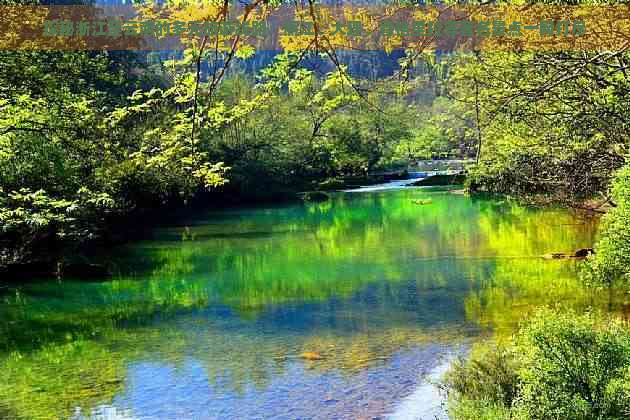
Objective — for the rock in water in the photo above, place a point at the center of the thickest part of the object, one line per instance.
(555, 256)
(311, 355)
(583, 252)
(579, 254)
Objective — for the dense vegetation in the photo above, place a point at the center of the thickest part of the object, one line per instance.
(551, 122)
(561, 366)
(89, 139)
(612, 261)
(552, 125)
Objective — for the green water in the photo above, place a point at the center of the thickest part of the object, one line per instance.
(211, 317)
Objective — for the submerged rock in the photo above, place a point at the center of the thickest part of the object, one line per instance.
(422, 202)
(311, 355)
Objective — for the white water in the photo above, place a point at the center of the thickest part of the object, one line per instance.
(386, 186)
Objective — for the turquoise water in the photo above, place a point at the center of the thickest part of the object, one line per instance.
(339, 309)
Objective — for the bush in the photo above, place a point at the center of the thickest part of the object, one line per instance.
(538, 170)
(469, 409)
(573, 367)
(612, 259)
(489, 375)
(560, 366)
(484, 386)
(30, 219)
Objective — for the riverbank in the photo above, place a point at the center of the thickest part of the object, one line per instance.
(559, 363)
(52, 256)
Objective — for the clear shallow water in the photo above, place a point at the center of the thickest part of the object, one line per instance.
(340, 309)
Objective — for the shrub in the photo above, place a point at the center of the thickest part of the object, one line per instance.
(573, 367)
(560, 366)
(470, 409)
(489, 375)
(612, 259)
(30, 218)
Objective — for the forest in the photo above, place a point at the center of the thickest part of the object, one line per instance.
(107, 136)
(95, 142)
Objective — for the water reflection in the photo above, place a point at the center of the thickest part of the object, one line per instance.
(212, 318)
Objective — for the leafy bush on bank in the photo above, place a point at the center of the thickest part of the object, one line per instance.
(559, 366)
(612, 259)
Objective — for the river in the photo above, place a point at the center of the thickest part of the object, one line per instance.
(350, 308)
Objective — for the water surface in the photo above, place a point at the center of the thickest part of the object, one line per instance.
(339, 309)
